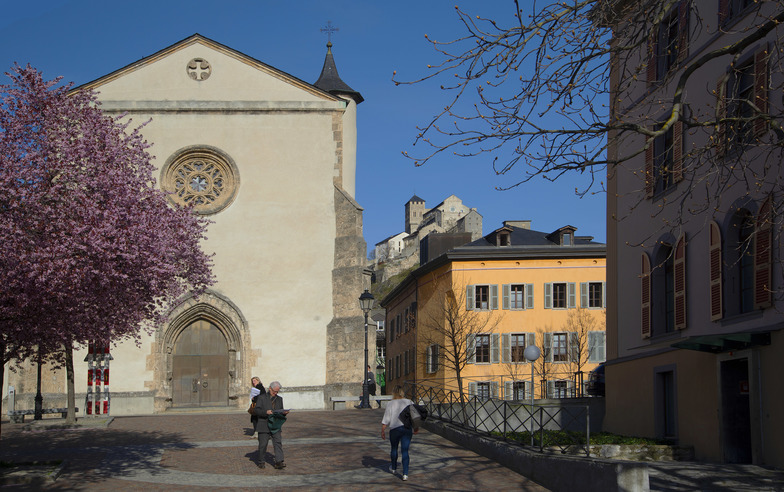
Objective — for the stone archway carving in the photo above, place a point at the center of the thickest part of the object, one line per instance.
(221, 312)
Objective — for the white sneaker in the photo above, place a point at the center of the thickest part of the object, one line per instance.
(255, 435)
(391, 470)
(405, 477)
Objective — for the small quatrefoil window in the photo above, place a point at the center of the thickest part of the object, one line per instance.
(199, 69)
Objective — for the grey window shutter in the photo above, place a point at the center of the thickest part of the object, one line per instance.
(494, 348)
(530, 339)
(508, 390)
(574, 346)
(572, 289)
(506, 340)
(505, 296)
(471, 389)
(600, 346)
(494, 296)
(529, 296)
(470, 349)
(550, 389)
(604, 295)
(548, 347)
(428, 352)
(494, 390)
(584, 294)
(592, 346)
(470, 297)
(548, 296)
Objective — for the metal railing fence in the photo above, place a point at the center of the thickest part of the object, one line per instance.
(563, 427)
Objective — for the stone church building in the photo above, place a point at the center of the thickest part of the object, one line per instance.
(271, 160)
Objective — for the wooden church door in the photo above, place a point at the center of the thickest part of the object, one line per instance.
(200, 367)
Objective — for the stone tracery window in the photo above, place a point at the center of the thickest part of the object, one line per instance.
(204, 177)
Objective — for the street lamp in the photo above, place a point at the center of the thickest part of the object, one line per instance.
(531, 353)
(366, 304)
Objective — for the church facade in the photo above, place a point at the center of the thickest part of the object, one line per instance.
(270, 160)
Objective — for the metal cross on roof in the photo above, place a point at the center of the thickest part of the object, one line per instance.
(329, 29)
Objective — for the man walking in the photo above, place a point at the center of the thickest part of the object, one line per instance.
(269, 410)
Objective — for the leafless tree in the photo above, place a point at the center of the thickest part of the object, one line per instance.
(588, 86)
(446, 322)
(579, 323)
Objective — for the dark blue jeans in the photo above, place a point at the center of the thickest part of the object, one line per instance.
(400, 435)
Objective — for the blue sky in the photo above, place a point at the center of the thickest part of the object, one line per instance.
(84, 40)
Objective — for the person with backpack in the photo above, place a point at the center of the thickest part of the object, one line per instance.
(399, 435)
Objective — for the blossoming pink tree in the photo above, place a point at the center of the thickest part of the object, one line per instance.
(90, 248)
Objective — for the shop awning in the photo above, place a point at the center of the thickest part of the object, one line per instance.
(724, 343)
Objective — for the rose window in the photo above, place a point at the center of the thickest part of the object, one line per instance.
(202, 178)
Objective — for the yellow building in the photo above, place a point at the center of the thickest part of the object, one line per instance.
(474, 310)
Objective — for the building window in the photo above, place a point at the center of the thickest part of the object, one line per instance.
(204, 177)
(559, 296)
(732, 9)
(663, 166)
(406, 320)
(399, 325)
(518, 390)
(596, 352)
(560, 389)
(740, 92)
(667, 44)
(517, 347)
(483, 390)
(566, 239)
(560, 347)
(482, 297)
(517, 297)
(482, 349)
(432, 358)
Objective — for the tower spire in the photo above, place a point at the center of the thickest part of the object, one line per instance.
(329, 80)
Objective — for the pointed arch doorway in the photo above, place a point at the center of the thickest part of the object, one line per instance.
(200, 366)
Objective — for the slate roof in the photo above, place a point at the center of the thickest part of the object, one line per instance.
(330, 81)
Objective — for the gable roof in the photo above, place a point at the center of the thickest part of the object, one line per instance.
(205, 41)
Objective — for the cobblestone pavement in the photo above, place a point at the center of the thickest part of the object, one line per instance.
(325, 450)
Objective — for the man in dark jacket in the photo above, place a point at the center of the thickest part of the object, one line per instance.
(267, 404)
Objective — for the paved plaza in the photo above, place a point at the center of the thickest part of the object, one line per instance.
(325, 450)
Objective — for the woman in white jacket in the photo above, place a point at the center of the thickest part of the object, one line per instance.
(398, 434)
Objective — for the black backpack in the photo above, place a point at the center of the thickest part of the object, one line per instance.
(413, 415)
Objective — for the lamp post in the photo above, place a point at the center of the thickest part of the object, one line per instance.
(366, 304)
(531, 353)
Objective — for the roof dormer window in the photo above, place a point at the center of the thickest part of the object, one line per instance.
(502, 239)
(566, 239)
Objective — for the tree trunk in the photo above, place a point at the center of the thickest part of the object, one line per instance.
(69, 376)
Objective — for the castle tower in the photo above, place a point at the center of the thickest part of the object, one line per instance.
(415, 209)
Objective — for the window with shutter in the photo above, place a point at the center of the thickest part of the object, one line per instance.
(495, 348)
(529, 296)
(742, 97)
(668, 42)
(716, 310)
(679, 265)
(560, 347)
(482, 349)
(645, 288)
(470, 349)
(596, 352)
(763, 236)
(547, 347)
